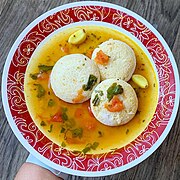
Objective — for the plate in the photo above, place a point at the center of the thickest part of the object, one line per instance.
(75, 163)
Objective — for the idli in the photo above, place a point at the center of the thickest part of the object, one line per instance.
(114, 102)
(115, 59)
(74, 77)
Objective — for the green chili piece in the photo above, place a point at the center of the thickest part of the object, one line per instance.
(91, 82)
(96, 100)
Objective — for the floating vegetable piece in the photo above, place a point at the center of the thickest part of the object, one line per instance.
(77, 37)
(45, 68)
(50, 130)
(140, 80)
(77, 132)
(43, 123)
(40, 90)
(34, 76)
(90, 146)
(63, 144)
(51, 103)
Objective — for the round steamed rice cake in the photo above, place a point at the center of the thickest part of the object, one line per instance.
(122, 60)
(74, 77)
(128, 99)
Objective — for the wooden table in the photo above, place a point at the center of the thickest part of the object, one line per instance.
(164, 15)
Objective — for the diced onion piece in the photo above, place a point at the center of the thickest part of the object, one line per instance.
(77, 37)
(140, 80)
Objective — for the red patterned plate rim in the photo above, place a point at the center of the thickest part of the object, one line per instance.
(94, 165)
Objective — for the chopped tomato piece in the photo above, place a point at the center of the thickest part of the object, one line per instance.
(79, 97)
(56, 118)
(115, 105)
(101, 58)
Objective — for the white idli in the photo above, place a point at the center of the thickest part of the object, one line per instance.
(128, 99)
(70, 76)
(122, 60)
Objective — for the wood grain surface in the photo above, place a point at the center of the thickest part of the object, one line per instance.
(164, 15)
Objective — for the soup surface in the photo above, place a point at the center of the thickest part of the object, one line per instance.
(72, 125)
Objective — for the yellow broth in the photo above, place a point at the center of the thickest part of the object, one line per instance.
(78, 115)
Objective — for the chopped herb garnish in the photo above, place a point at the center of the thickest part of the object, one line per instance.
(96, 100)
(114, 89)
(143, 120)
(63, 130)
(94, 145)
(43, 123)
(50, 130)
(41, 92)
(51, 103)
(44, 68)
(77, 132)
(64, 115)
(86, 149)
(113, 149)
(91, 82)
(90, 146)
(154, 85)
(34, 76)
(127, 131)
(63, 144)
